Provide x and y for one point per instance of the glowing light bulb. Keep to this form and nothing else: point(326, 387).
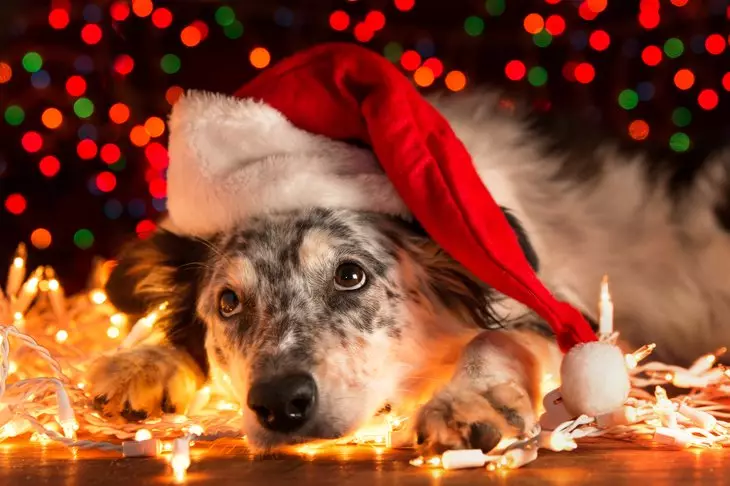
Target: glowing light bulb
point(196, 429)
point(53, 285)
point(142, 434)
point(112, 332)
point(61, 336)
point(180, 461)
point(706, 362)
point(118, 319)
point(12, 367)
point(98, 297)
point(16, 274)
point(605, 309)
point(633, 359)
point(18, 316)
point(434, 461)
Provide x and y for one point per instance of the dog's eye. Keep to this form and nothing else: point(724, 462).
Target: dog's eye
point(228, 303)
point(349, 276)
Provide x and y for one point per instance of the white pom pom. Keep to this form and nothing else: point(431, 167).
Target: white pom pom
point(594, 379)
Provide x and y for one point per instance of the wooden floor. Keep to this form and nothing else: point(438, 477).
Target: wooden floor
point(600, 462)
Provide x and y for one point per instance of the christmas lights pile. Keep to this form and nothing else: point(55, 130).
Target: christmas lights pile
point(48, 340)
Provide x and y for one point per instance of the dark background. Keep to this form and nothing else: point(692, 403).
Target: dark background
point(71, 201)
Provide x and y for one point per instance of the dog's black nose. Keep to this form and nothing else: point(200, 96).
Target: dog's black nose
point(284, 403)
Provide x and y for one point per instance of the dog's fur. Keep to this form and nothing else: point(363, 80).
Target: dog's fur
point(423, 329)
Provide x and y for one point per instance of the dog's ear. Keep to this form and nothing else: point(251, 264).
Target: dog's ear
point(152, 271)
point(456, 286)
point(522, 238)
point(163, 268)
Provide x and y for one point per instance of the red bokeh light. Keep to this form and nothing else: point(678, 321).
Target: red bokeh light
point(124, 64)
point(375, 20)
point(91, 34)
point(157, 156)
point(158, 188)
point(515, 70)
point(569, 70)
point(715, 44)
point(555, 24)
point(410, 60)
point(49, 166)
point(339, 20)
point(649, 19)
point(15, 204)
point(119, 10)
point(202, 28)
point(584, 73)
point(404, 5)
point(76, 86)
point(599, 40)
point(110, 153)
point(87, 149)
point(162, 18)
point(32, 142)
point(726, 81)
point(363, 32)
point(586, 13)
point(436, 66)
point(106, 181)
point(58, 18)
point(708, 99)
point(145, 229)
point(651, 55)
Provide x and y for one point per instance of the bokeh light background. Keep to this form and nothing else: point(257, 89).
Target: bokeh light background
point(85, 87)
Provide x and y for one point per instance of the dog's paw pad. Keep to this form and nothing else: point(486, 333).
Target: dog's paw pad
point(140, 383)
point(465, 419)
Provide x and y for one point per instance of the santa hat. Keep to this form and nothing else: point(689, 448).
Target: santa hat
point(281, 144)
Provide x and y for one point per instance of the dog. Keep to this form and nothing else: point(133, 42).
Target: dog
point(321, 318)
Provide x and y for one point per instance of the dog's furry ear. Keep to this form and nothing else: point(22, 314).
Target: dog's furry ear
point(456, 286)
point(163, 268)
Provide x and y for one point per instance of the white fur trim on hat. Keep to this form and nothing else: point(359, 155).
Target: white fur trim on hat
point(233, 158)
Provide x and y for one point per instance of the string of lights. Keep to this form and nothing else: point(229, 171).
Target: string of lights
point(42, 390)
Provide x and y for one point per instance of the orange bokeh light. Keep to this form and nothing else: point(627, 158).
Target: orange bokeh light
point(52, 118)
point(139, 136)
point(455, 81)
point(684, 79)
point(259, 57)
point(154, 126)
point(119, 113)
point(534, 23)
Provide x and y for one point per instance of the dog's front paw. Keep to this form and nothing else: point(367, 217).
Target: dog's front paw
point(143, 382)
point(464, 418)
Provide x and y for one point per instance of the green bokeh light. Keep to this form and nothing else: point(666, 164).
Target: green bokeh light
point(170, 63)
point(393, 51)
point(679, 142)
point(681, 116)
point(84, 108)
point(537, 76)
point(234, 31)
point(673, 47)
point(14, 115)
point(474, 26)
point(495, 7)
point(32, 62)
point(225, 16)
point(628, 99)
point(542, 38)
point(84, 239)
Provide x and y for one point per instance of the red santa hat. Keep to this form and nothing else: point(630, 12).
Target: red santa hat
point(281, 143)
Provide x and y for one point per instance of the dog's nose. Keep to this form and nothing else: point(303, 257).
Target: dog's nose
point(284, 403)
